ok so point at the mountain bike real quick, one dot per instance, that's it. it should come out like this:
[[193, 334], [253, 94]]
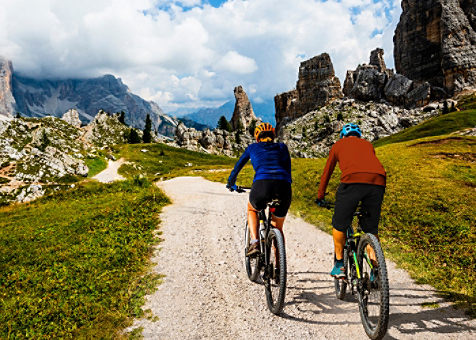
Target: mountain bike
[[270, 264], [366, 273]]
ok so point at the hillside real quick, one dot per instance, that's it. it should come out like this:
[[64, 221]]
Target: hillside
[[75, 263]]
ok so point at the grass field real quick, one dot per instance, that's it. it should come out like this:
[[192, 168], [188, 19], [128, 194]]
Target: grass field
[[428, 213], [74, 265], [161, 161], [440, 125]]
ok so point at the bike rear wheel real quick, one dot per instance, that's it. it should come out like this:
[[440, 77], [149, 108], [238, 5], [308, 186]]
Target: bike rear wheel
[[341, 284], [374, 289], [275, 272], [251, 263]]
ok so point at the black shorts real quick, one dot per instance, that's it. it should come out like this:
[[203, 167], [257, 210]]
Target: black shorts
[[265, 190], [348, 198]]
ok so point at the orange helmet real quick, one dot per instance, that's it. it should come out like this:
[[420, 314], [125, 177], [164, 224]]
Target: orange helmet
[[262, 128]]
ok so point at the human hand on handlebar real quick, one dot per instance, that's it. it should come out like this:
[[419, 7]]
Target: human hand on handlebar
[[321, 203], [232, 188]]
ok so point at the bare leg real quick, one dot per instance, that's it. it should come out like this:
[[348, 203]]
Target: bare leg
[[253, 221], [339, 242], [278, 223]]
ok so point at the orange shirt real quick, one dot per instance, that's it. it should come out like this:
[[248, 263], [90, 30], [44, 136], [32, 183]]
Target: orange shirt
[[357, 161]]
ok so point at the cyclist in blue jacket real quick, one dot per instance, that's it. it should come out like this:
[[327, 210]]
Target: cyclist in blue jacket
[[272, 180]]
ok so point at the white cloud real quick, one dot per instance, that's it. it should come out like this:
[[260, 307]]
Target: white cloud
[[187, 53], [236, 63]]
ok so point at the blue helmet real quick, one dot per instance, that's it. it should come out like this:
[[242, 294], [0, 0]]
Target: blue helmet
[[349, 128]]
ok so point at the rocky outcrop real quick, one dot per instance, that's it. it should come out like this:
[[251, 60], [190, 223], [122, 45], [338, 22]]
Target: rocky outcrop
[[104, 130], [317, 86], [72, 117], [313, 134], [40, 155], [216, 141], [7, 102], [243, 113], [376, 59], [374, 82], [435, 42]]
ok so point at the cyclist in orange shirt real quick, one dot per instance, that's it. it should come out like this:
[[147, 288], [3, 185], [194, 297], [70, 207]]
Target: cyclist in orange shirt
[[363, 180]]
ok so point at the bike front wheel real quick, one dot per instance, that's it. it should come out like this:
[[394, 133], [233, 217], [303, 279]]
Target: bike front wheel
[[373, 288], [275, 272], [251, 263]]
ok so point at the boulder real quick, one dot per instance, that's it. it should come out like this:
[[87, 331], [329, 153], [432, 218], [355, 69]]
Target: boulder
[[396, 89], [419, 96], [369, 83]]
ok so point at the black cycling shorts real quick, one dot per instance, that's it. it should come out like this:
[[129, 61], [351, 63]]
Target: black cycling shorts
[[348, 198], [265, 190]]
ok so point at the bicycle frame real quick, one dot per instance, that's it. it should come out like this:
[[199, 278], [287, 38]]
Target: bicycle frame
[[352, 244]]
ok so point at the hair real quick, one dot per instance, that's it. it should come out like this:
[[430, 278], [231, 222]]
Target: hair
[[266, 134]]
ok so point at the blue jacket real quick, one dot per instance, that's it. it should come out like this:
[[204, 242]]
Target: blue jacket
[[269, 160]]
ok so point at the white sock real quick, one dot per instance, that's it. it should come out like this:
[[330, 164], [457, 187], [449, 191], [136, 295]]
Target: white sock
[[253, 241]]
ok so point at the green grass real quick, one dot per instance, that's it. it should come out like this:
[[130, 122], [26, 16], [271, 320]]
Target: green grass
[[96, 165], [74, 265], [428, 214], [436, 126], [162, 161]]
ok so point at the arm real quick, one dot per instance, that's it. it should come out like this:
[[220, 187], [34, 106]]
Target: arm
[[288, 159], [238, 166], [327, 173]]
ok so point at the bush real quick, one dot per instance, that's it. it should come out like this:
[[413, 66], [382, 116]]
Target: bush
[[340, 116]]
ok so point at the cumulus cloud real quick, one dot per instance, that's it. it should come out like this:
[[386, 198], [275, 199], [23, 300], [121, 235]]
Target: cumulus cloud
[[187, 53]]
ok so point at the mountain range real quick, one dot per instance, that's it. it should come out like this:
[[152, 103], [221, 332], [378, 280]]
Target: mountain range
[[53, 97]]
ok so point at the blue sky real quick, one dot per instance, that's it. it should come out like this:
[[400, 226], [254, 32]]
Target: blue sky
[[192, 53]]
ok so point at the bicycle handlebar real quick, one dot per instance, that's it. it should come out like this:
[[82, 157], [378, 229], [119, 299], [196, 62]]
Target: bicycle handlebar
[[238, 188]]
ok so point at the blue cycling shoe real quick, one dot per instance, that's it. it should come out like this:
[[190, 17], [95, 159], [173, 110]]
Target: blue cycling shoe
[[338, 271], [373, 275]]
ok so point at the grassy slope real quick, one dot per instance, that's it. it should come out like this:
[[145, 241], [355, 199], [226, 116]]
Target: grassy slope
[[73, 264], [162, 161], [436, 126], [428, 213]]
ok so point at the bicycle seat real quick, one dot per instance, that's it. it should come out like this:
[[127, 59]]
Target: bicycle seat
[[274, 202]]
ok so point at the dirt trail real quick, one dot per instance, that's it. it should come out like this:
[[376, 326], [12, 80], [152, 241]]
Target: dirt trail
[[110, 174], [207, 295]]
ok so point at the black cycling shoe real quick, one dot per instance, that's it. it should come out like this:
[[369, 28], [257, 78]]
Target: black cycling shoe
[[253, 250]]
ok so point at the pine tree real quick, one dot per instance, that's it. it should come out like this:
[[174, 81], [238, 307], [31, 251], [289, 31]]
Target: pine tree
[[18, 115], [44, 141], [147, 137], [133, 137], [445, 108], [224, 124], [122, 117]]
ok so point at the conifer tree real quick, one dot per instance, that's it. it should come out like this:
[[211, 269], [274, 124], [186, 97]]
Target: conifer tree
[[133, 137], [147, 136], [122, 117], [445, 108], [224, 124]]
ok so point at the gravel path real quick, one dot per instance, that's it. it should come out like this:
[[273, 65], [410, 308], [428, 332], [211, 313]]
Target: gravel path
[[207, 295], [110, 174]]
